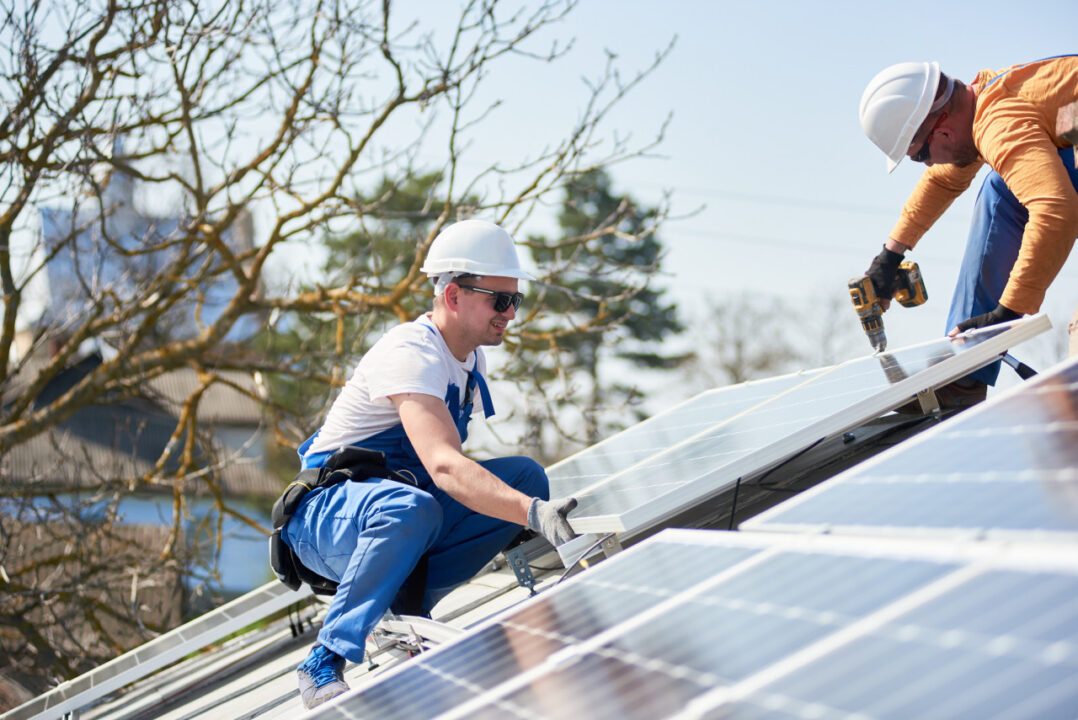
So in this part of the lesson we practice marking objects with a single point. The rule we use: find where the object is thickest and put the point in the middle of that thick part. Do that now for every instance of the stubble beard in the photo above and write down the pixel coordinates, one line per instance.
(967, 155)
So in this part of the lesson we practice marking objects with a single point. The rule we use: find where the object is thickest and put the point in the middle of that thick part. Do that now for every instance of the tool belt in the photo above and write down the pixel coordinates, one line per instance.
(348, 463)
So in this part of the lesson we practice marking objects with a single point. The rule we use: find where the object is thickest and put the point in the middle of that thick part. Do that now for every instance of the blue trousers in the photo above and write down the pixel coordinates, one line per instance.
(368, 536)
(995, 236)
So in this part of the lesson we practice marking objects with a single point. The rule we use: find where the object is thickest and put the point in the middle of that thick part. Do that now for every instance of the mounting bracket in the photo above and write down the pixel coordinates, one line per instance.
(518, 561)
(610, 545)
(927, 399)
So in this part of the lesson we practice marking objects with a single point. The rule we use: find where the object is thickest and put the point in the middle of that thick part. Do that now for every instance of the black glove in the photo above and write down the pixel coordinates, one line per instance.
(548, 519)
(883, 272)
(999, 315)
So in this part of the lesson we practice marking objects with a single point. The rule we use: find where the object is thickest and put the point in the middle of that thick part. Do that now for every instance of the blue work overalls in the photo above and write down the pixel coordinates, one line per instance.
(995, 237)
(367, 536)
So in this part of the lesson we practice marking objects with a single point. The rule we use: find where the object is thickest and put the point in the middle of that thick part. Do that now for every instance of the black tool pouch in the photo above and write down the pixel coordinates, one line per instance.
(348, 463)
(282, 561)
(285, 506)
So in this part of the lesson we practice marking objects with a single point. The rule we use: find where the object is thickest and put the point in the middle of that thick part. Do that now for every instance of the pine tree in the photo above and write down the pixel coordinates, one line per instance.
(601, 304)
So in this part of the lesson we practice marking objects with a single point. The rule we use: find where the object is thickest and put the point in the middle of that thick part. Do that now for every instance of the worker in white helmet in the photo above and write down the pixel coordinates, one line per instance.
(411, 397)
(1026, 215)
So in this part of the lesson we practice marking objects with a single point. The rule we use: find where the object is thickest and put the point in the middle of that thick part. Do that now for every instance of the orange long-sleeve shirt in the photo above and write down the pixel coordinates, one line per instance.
(1014, 129)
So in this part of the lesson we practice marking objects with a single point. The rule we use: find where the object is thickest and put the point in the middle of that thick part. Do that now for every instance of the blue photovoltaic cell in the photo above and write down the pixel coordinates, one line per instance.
(597, 688)
(718, 637)
(827, 394)
(1004, 644)
(838, 629)
(1008, 466)
(776, 608)
(661, 432)
(595, 601)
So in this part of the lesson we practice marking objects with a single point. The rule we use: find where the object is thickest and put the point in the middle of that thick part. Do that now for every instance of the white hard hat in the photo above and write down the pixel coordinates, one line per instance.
(895, 104)
(474, 247)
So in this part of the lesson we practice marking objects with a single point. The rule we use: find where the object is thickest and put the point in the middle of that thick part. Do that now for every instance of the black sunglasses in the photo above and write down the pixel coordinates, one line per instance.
(502, 300)
(923, 154)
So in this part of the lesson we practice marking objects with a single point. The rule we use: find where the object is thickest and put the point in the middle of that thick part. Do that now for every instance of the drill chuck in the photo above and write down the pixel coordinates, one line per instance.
(869, 310)
(878, 339)
(909, 291)
(873, 325)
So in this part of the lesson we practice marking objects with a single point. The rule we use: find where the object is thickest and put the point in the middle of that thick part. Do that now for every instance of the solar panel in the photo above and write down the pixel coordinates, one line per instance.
(744, 624)
(1007, 468)
(999, 645)
(764, 625)
(157, 653)
(828, 403)
(525, 637)
(577, 472)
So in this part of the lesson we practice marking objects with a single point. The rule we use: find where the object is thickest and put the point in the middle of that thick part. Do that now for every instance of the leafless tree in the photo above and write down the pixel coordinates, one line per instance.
(160, 128)
(749, 336)
(745, 337)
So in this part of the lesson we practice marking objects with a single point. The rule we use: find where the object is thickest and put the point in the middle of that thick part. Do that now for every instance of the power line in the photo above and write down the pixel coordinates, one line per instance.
(752, 240)
(774, 200)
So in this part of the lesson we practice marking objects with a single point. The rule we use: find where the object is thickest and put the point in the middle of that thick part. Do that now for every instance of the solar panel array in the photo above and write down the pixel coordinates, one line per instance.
(711, 624)
(782, 421)
(718, 624)
(1006, 469)
(169, 647)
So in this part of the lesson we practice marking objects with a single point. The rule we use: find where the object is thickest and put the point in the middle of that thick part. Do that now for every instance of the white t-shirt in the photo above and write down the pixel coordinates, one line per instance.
(410, 358)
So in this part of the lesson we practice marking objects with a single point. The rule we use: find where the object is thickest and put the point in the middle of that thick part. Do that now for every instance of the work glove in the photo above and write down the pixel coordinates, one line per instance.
(999, 315)
(548, 519)
(883, 272)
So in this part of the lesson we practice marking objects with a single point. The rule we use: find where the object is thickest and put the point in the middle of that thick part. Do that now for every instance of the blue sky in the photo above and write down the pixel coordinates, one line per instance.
(765, 134)
(764, 139)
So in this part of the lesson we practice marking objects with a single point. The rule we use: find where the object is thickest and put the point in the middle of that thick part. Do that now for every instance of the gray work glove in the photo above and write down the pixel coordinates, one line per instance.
(548, 519)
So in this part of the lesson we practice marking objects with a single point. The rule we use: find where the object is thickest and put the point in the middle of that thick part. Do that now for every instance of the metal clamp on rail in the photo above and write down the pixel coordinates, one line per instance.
(518, 561)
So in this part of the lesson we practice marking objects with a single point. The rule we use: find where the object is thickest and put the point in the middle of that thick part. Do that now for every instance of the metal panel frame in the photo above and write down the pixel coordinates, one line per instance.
(970, 560)
(974, 559)
(767, 521)
(79, 692)
(701, 488)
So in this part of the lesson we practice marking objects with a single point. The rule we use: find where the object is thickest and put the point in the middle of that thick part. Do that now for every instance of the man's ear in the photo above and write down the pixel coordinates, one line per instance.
(451, 296)
(948, 137)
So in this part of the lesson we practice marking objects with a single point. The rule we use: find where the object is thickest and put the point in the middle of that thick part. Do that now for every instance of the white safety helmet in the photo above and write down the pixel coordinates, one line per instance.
(473, 247)
(895, 104)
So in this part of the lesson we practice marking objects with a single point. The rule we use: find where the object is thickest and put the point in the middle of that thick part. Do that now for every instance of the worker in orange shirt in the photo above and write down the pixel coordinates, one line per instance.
(1026, 215)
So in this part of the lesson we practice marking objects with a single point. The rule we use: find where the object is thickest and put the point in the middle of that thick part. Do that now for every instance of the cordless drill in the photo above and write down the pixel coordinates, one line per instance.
(909, 291)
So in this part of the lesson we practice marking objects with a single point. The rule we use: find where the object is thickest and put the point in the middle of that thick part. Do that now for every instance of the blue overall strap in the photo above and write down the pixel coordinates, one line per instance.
(315, 459)
(452, 401)
(302, 449)
(476, 379)
(461, 415)
(393, 441)
(1053, 57)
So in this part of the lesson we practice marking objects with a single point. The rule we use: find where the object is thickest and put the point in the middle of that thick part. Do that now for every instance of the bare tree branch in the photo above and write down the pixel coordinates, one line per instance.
(160, 162)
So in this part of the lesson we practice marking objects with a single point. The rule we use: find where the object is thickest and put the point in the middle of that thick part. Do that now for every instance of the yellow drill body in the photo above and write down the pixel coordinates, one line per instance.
(910, 288)
(910, 291)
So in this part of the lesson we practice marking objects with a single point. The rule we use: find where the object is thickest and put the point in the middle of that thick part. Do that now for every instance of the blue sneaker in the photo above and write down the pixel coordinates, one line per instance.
(320, 677)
